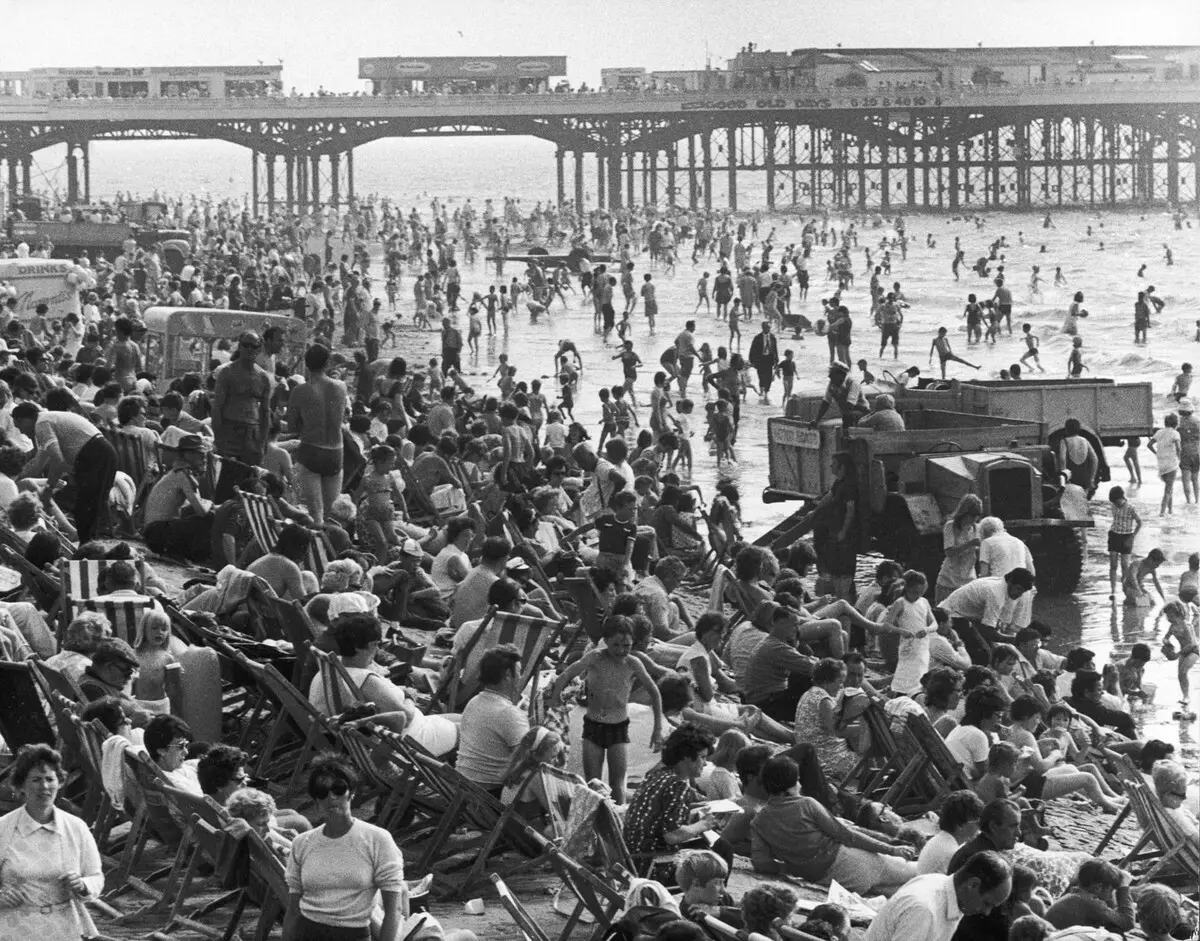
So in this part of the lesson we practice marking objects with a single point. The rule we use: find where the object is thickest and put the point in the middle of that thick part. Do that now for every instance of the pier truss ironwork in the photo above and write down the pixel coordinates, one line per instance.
(1021, 148)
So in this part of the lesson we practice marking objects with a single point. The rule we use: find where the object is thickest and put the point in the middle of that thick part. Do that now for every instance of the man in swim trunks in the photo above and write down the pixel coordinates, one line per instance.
(316, 411)
(241, 414)
(1003, 299)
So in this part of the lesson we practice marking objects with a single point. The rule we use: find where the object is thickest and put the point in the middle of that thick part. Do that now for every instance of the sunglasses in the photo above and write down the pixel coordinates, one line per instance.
(321, 789)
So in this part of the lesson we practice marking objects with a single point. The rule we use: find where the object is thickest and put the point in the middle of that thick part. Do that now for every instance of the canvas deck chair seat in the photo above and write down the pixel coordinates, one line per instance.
(84, 588)
(533, 637)
(142, 465)
(882, 761)
(588, 611)
(152, 818)
(295, 714)
(401, 806)
(266, 523)
(594, 894)
(421, 508)
(24, 717)
(44, 587)
(726, 590)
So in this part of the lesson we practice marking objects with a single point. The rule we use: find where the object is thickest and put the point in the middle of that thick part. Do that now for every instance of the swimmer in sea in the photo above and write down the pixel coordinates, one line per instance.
(1060, 280)
(941, 345)
(1075, 364)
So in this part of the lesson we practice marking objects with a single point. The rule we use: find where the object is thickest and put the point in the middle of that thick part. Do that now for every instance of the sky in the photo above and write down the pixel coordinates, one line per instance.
(320, 41)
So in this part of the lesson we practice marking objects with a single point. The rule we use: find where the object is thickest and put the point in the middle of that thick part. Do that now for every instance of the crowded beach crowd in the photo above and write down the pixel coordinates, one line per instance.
(432, 508)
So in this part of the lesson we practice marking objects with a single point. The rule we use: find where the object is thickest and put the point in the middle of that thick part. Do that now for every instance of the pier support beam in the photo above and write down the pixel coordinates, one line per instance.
(13, 191)
(27, 175)
(732, 147)
(769, 161)
(630, 173)
(652, 163)
(350, 175)
(579, 182)
(335, 184)
(614, 178)
(270, 161)
(289, 163)
(87, 171)
(706, 150)
(254, 182)
(672, 158)
(693, 185)
(72, 176)
(316, 183)
(601, 182)
(560, 156)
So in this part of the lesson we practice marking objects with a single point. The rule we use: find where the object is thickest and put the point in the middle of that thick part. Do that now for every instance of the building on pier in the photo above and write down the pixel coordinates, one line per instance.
(219, 81)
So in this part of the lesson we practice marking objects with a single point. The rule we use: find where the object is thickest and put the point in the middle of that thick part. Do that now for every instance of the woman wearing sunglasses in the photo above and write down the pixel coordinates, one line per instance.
(339, 870)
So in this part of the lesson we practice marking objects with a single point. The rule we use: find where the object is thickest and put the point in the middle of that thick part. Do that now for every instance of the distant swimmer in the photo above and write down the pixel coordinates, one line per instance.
(941, 345)
(1142, 272)
(1074, 313)
(1060, 279)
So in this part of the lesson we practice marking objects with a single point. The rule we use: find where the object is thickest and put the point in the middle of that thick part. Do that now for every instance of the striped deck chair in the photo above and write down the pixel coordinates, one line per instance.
(1128, 776)
(268, 882)
(533, 637)
(420, 505)
(139, 462)
(296, 713)
(588, 609)
(84, 580)
(594, 894)
(535, 563)
(266, 523)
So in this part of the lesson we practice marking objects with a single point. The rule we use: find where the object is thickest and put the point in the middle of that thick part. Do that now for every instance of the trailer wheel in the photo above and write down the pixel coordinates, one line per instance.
(1059, 559)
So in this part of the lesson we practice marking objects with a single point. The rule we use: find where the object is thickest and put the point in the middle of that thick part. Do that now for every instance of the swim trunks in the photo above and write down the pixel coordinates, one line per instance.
(605, 734)
(323, 461)
(1121, 543)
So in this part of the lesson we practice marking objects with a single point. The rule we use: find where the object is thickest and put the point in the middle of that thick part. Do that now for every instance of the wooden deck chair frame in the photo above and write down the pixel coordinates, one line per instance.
(1174, 858)
(535, 564)
(266, 869)
(131, 458)
(931, 773)
(204, 840)
(1127, 776)
(296, 711)
(471, 805)
(742, 610)
(144, 786)
(524, 921)
(416, 498)
(267, 522)
(236, 675)
(297, 628)
(92, 736)
(788, 933)
(884, 746)
(390, 773)
(593, 894)
(582, 592)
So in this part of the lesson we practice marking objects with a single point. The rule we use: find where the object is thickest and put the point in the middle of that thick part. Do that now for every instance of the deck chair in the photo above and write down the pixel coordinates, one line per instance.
(45, 588)
(23, 717)
(533, 637)
(266, 522)
(204, 840)
(1173, 858)
(470, 806)
(588, 610)
(295, 712)
(594, 894)
(388, 774)
(535, 564)
(1128, 777)
(297, 629)
(83, 582)
(268, 882)
(416, 498)
(882, 761)
(141, 465)
(152, 818)
(788, 933)
(725, 589)
(520, 915)
(930, 773)
(104, 816)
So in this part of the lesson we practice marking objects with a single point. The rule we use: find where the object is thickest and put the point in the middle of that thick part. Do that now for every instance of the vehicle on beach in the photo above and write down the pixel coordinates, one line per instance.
(545, 259)
(181, 340)
(909, 483)
(1108, 411)
(50, 281)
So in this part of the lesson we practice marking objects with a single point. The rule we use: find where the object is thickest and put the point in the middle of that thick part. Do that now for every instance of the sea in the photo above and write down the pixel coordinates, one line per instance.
(1103, 265)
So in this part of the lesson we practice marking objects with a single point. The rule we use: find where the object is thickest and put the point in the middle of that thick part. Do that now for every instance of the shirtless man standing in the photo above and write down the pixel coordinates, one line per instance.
(240, 416)
(316, 411)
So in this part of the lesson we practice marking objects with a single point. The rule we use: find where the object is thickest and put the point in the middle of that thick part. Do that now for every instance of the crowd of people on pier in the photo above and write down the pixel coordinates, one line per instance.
(412, 503)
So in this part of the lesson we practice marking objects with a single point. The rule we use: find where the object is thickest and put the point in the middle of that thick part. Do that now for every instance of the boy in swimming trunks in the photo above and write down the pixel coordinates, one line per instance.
(1126, 524)
(941, 344)
(610, 674)
(1031, 347)
(1183, 382)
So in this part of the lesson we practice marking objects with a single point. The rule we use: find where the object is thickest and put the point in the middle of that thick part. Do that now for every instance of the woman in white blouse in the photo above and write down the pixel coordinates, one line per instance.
(49, 862)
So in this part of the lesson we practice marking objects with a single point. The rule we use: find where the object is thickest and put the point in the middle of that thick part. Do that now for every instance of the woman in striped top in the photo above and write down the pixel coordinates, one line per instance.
(1125, 526)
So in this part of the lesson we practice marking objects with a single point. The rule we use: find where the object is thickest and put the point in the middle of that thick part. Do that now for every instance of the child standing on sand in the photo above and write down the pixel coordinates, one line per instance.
(1126, 524)
(610, 674)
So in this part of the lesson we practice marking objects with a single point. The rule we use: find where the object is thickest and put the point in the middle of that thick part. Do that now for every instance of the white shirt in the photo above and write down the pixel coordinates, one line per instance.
(1004, 552)
(925, 909)
(338, 879)
(984, 599)
(970, 745)
(936, 854)
(491, 728)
